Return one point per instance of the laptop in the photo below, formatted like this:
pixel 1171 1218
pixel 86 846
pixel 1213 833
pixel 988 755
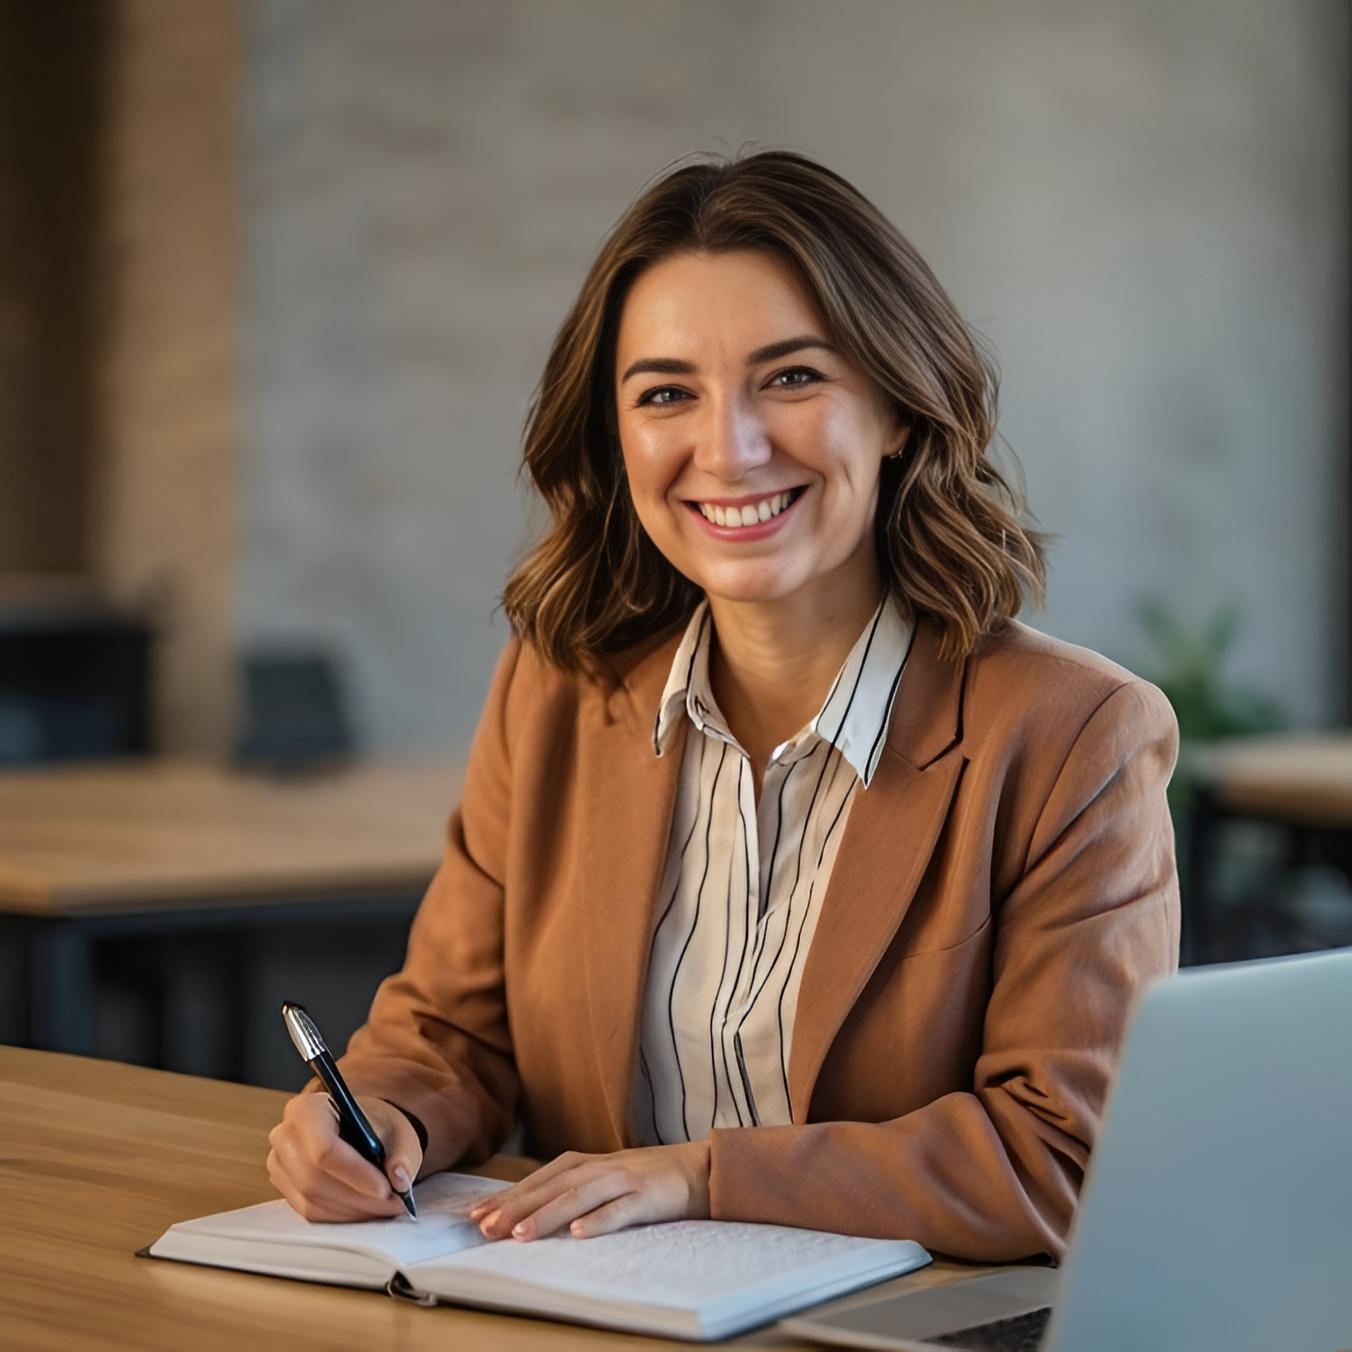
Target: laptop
pixel 1217 1212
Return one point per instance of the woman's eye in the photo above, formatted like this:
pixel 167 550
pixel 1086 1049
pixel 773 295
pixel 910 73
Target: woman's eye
pixel 805 371
pixel 653 396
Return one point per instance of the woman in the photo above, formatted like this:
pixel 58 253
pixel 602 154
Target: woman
pixel 793 880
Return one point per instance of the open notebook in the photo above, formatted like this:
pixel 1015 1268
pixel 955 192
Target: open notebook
pixel 683 1279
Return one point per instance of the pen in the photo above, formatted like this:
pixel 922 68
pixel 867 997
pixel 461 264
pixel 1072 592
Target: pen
pixel 352 1124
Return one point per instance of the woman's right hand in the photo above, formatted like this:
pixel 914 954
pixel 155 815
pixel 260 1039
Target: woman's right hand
pixel 324 1178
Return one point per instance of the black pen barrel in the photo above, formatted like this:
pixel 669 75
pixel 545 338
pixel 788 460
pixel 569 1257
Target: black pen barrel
pixel 352 1124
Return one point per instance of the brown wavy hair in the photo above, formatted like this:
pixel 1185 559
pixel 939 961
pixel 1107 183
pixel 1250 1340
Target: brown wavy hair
pixel 949 539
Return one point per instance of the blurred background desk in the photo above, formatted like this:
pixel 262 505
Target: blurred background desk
pixel 144 852
pixel 1301 787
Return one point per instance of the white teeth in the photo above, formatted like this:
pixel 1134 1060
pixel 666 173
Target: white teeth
pixel 750 515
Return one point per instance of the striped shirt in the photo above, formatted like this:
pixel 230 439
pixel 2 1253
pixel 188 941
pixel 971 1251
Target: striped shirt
pixel 743 885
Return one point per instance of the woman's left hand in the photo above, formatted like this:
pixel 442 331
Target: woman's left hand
pixel 595 1194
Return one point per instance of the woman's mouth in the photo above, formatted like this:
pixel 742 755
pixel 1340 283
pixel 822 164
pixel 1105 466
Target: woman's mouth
pixel 749 519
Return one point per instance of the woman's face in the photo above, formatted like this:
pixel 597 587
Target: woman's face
pixel 732 403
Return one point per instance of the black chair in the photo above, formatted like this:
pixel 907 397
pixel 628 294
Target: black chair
pixel 75 681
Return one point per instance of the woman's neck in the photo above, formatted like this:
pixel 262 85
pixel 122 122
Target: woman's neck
pixel 772 663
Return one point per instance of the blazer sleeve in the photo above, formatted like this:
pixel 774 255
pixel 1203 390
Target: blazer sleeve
pixel 436 1042
pixel 993 1174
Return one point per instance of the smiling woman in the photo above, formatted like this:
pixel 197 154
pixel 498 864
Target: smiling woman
pixel 794 879
pixel 812 438
pixel 717 276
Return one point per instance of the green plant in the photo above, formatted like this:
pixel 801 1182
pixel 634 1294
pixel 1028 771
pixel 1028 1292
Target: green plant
pixel 1189 669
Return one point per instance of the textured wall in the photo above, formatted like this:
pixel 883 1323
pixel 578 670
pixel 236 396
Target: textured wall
pixel 164 474
pixel 1142 207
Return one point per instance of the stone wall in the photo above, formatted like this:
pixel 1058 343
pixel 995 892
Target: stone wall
pixel 1142 206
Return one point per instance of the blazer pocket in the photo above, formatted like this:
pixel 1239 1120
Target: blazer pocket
pixel 951 906
pixel 931 949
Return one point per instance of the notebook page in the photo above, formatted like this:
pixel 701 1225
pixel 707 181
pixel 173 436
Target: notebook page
pixel 685 1265
pixel 441 1227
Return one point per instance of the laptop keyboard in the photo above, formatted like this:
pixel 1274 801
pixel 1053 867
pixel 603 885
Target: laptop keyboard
pixel 1022 1333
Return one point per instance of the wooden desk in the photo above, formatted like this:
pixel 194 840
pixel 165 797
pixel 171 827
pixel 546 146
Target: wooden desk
pixel 98 1159
pixel 1304 778
pixel 1301 783
pixel 159 846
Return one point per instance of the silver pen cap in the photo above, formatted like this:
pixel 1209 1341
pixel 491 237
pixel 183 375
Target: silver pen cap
pixel 303 1032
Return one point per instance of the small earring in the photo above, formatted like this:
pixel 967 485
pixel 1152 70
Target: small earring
pixel 895 455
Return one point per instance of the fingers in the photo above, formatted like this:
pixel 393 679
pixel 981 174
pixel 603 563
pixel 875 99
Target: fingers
pixel 403 1154
pixel 556 1196
pixel 323 1177
pixel 308 1140
pixel 510 1200
pixel 631 1208
pixel 507 1196
pixel 595 1194
pixel 328 1203
pixel 306 1164
pixel 544 1214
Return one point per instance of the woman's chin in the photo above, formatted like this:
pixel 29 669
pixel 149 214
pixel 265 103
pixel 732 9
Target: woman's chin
pixel 749 583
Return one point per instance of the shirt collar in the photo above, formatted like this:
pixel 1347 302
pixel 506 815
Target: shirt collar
pixel 853 717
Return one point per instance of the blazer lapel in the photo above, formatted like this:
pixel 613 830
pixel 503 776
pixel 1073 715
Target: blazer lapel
pixel 890 834
pixel 624 846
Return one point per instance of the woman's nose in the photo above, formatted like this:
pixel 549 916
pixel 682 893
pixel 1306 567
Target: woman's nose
pixel 732 441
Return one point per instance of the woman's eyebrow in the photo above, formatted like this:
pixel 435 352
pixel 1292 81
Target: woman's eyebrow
pixel 675 366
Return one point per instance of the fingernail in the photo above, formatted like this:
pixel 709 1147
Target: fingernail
pixel 401 1178
pixel 523 1229
pixel 488 1222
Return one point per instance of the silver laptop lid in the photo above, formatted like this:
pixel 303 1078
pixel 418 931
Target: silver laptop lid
pixel 1218 1209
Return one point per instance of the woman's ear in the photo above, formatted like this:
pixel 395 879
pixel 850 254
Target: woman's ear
pixel 901 434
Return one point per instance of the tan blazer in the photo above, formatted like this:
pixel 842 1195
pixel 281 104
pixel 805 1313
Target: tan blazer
pixel 1003 889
